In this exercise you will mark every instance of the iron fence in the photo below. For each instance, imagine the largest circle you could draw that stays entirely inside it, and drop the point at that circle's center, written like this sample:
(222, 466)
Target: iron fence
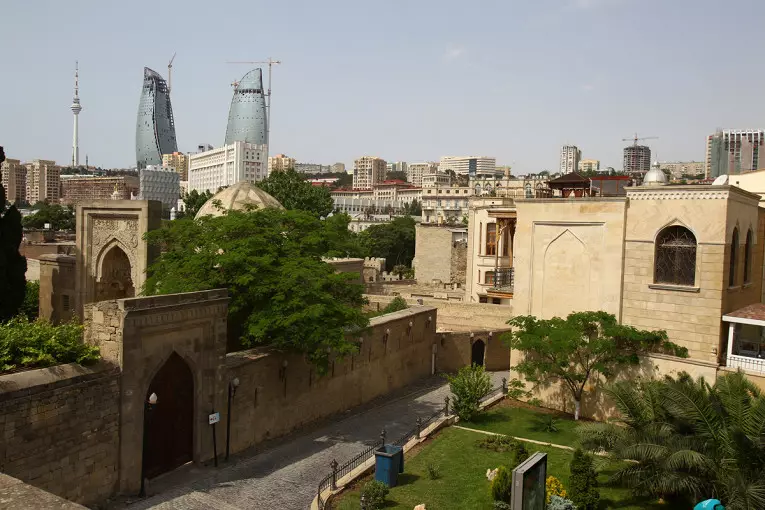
(339, 471)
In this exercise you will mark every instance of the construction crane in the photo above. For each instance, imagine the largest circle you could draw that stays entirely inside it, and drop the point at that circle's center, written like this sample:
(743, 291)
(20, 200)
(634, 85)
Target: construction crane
(170, 74)
(635, 139)
(235, 84)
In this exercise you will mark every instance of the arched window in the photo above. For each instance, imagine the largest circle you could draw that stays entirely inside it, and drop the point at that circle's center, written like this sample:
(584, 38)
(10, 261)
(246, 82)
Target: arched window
(748, 257)
(675, 256)
(733, 257)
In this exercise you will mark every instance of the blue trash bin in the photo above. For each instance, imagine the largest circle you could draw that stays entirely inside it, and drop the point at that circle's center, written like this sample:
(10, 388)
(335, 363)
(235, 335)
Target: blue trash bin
(389, 462)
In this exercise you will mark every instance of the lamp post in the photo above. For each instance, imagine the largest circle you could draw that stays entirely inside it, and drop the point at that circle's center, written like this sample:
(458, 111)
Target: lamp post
(232, 386)
(148, 406)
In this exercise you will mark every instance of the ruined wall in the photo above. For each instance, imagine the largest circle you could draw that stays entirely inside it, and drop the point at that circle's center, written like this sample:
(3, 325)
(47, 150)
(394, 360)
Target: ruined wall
(61, 430)
(280, 392)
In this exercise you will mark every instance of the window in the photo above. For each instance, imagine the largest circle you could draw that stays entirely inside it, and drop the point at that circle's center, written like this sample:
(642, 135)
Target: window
(489, 278)
(491, 239)
(748, 257)
(65, 302)
(675, 256)
(732, 261)
(506, 242)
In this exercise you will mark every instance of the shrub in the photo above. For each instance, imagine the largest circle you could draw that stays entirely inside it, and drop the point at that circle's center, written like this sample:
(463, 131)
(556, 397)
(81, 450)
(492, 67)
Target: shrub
(501, 505)
(517, 390)
(468, 387)
(374, 494)
(560, 503)
(553, 487)
(433, 473)
(31, 305)
(536, 402)
(546, 423)
(502, 485)
(518, 454)
(583, 482)
(397, 304)
(498, 443)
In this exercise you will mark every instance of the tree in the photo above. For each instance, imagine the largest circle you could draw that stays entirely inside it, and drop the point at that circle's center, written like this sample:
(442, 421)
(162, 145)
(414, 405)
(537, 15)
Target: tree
(30, 308)
(281, 292)
(393, 240)
(579, 347)
(396, 174)
(583, 483)
(344, 180)
(468, 387)
(59, 217)
(13, 266)
(686, 440)
(193, 202)
(413, 208)
(293, 191)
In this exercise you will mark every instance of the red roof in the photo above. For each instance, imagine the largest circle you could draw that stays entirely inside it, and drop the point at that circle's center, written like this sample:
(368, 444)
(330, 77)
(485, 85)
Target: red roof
(611, 178)
(754, 312)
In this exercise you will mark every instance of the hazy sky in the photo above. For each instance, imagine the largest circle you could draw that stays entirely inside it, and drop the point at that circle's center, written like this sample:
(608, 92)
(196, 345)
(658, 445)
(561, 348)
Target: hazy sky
(406, 80)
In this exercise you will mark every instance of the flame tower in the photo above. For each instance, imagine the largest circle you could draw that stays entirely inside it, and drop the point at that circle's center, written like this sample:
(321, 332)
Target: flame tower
(76, 109)
(247, 116)
(155, 128)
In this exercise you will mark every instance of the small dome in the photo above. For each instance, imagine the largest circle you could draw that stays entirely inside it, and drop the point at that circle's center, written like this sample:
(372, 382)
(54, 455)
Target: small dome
(237, 198)
(655, 176)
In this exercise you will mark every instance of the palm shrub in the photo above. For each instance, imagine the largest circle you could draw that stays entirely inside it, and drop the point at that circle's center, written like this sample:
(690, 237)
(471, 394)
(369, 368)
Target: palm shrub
(687, 439)
(583, 482)
(468, 387)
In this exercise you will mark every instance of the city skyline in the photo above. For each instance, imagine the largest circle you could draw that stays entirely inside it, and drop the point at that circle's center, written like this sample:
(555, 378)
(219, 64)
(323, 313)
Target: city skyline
(515, 111)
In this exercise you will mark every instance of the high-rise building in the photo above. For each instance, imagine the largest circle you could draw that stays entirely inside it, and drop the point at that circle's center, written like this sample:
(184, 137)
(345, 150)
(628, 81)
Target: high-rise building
(396, 166)
(732, 152)
(43, 181)
(416, 171)
(589, 165)
(637, 160)
(85, 188)
(155, 129)
(159, 183)
(179, 162)
(14, 180)
(227, 165)
(473, 166)
(76, 109)
(280, 163)
(680, 169)
(569, 159)
(247, 116)
(368, 171)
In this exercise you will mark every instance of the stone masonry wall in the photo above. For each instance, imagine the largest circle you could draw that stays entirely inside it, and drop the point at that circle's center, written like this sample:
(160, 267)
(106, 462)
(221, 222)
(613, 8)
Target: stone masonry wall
(61, 430)
(21, 496)
(455, 350)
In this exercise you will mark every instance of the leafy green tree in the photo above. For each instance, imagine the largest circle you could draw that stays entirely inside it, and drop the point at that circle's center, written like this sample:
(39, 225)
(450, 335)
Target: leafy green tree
(60, 217)
(344, 180)
(193, 202)
(583, 345)
(281, 292)
(502, 485)
(413, 208)
(25, 344)
(13, 266)
(293, 191)
(341, 242)
(583, 482)
(31, 306)
(393, 240)
(468, 387)
(687, 440)
(398, 303)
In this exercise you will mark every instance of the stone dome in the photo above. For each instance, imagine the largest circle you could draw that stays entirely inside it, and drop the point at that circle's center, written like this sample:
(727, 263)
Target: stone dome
(237, 198)
(655, 176)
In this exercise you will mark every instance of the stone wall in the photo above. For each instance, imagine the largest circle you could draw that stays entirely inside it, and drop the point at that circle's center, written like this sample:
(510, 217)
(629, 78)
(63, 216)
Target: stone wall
(348, 265)
(455, 350)
(440, 254)
(58, 290)
(280, 392)
(61, 430)
(21, 496)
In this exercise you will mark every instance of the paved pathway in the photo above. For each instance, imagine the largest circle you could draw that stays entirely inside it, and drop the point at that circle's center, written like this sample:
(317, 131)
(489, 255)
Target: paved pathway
(286, 476)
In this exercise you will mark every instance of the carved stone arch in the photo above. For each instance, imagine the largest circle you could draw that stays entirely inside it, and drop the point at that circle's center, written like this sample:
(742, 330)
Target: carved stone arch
(566, 273)
(159, 361)
(115, 272)
(675, 222)
(566, 231)
(109, 245)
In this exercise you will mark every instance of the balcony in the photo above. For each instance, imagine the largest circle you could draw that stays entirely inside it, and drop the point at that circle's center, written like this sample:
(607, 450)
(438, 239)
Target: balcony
(503, 283)
(746, 339)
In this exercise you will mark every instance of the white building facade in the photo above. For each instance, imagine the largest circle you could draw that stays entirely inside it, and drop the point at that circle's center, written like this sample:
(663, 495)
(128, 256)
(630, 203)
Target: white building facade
(368, 171)
(569, 159)
(159, 183)
(416, 171)
(469, 165)
(227, 165)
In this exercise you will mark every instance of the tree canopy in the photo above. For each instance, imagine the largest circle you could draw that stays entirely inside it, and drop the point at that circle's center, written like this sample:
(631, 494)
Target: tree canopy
(293, 191)
(60, 217)
(13, 266)
(193, 202)
(393, 240)
(583, 344)
(282, 293)
(396, 174)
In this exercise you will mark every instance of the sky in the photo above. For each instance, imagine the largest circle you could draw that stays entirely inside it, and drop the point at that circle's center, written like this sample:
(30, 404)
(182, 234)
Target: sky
(405, 80)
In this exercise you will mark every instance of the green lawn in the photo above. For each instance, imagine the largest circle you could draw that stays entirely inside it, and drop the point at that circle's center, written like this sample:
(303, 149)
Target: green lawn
(462, 483)
(523, 422)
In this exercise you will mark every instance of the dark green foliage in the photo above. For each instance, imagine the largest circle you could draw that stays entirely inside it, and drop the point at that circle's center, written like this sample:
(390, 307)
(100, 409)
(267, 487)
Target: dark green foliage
(433, 472)
(398, 303)
(517, 390)
(293, 191)
(344, 180)
(394, 241)
(341, 242)
(270, 260)
(468, 387)
(193, 202)
(583, 482)
(498, 443)
(518, 454)
(502, 485)
(60, 217)
(13, 266)
(396, 175)
(25, 344)
(559, 503)
(413, 208)
(374, 494)
(546, 423)
(31, 306)
(501, 505)
(581, 346)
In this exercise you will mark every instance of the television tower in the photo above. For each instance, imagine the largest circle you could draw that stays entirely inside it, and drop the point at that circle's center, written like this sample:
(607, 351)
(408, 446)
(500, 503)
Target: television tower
(76, 109)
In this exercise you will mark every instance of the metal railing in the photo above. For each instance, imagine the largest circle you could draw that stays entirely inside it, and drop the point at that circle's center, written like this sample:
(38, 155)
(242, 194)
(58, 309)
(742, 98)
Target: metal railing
(504, 279)
(339, 471)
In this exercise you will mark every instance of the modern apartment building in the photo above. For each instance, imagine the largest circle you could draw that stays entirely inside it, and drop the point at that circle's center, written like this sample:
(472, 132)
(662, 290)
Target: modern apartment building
(470, 165)
(43, 181)
(589, 165)
(280, 163)
(159, 183)
(679, 169)
(179, 162)
(84, 188)
(14, 180)
(368, 171)
(396, 166)
(312, 168)
(416, 171)
(732, 152)
(227, 165)
(637, 160)
(569, 159)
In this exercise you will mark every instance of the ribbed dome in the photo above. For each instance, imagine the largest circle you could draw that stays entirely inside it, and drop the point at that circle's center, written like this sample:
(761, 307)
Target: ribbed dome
(237, 198)
(655, 176)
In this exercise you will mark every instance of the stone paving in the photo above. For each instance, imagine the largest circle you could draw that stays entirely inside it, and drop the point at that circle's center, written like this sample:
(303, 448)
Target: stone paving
(286, 476)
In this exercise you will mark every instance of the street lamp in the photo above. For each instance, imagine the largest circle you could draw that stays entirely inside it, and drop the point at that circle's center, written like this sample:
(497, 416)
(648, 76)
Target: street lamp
(232, 386)
(148, 407)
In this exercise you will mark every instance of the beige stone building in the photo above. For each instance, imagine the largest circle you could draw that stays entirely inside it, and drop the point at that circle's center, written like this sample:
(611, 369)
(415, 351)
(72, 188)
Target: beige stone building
(43, 181)
(179, 162)
(14, 180)
(79, 188)
(588, 165)
(279, 163)
(368, 171)
(440, 255)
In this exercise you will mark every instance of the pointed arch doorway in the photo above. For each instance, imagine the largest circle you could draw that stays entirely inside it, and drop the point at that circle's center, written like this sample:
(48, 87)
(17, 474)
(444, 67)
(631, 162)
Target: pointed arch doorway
(170, 424)
(477, 353)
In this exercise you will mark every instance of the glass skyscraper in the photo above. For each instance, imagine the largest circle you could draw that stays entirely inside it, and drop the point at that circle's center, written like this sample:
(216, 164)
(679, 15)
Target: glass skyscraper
(247, 116)
(155, 129)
